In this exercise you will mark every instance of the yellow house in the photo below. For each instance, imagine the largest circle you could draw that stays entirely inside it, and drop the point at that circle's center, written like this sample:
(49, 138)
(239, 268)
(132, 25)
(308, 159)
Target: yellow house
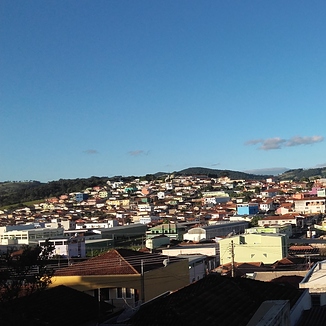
(245, 248)
(123, 276)
(125, 202)
(321, 227)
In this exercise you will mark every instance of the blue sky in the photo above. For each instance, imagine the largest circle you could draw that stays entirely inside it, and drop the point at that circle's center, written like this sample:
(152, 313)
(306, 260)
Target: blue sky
(115, 87)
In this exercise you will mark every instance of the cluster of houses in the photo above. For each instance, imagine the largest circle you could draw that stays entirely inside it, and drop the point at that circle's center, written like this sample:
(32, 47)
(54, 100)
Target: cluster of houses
(189, 228)
(176, 199)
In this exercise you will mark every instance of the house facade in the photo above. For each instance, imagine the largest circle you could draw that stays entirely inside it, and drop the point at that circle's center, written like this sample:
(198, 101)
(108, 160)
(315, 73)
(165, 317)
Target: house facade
(219, 229)
(265, 248)
(247, 208)
(315, 281)
(173, 231)
(283, 229)
(295, 220)
(125, 276)
(29, 236)
(67, 248)
(312, 205)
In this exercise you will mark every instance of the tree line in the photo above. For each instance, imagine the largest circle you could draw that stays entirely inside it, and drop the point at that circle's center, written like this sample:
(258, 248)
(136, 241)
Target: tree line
(35, 190)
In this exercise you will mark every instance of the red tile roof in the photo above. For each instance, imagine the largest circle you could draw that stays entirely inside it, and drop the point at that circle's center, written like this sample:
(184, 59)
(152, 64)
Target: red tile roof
(116, 262)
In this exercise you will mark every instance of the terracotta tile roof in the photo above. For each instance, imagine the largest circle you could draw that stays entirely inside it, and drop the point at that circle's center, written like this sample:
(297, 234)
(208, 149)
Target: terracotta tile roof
(279, 217)
(286, 204)
(284, 261)
(214, 299)
(240, 268)
(116, 262)
(301, 248)
(290, 263)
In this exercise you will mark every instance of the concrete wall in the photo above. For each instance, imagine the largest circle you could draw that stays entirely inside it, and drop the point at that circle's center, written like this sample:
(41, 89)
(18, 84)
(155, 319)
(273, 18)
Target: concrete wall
(156, 282)
(254, 248)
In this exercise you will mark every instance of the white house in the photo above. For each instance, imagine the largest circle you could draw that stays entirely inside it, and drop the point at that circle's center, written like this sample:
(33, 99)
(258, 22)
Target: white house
(149, 219)
(68, 248)
(267, 205)
(104, 225)
(312, 205)
(220, 229)
(161, 195)
(145, 207)
(295, 220)
(29, 236)
(315, 281)
(58, 222)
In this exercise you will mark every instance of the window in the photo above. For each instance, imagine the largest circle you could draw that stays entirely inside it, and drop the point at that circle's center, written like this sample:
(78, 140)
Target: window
(105, 294)
(119, 293)
(128, 293)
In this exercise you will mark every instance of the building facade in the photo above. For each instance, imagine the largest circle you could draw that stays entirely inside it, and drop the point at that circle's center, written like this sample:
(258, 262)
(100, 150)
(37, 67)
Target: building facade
(265, 248)
(247, 208)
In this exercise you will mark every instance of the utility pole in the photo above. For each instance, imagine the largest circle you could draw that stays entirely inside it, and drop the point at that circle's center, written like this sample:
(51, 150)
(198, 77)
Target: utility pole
(142, 280)
(99, 302)
(232, 259)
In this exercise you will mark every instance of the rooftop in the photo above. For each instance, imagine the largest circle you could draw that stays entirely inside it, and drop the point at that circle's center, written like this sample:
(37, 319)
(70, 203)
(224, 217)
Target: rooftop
(116, 262)
(316, 278)
(60, 305)
(212, 299)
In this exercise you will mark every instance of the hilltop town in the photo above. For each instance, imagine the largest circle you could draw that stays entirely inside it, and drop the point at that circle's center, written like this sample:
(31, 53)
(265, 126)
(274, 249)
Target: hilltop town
(122, 238)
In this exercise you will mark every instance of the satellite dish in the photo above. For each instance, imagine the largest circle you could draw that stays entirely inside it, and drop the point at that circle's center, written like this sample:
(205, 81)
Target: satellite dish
(128, 312)
(165, 262)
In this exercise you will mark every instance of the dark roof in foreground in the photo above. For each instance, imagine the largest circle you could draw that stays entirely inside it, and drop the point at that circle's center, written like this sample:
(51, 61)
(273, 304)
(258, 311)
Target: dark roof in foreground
(60, 305)
(316, 316)
(213, 300)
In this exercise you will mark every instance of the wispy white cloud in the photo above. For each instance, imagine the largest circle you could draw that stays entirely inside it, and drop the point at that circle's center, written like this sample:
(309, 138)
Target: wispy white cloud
(254, 141)
(278, 143)
(297, 140)
(138, 152)
(91, 151)
(272, 143)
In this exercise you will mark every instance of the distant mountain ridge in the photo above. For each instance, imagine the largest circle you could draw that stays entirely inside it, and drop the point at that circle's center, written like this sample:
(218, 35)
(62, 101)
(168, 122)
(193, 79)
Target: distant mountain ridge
(299, 174)
(215, 173)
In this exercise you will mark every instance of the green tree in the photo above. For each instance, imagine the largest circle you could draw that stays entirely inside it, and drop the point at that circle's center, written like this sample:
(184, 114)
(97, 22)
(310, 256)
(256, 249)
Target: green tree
(254, 220)
(25, 271)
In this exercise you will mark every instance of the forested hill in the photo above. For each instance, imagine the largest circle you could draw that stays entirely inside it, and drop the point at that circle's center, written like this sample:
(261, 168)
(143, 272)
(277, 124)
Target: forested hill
(214, 173)
(19, 192)
(300, 174)
(295, 174)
